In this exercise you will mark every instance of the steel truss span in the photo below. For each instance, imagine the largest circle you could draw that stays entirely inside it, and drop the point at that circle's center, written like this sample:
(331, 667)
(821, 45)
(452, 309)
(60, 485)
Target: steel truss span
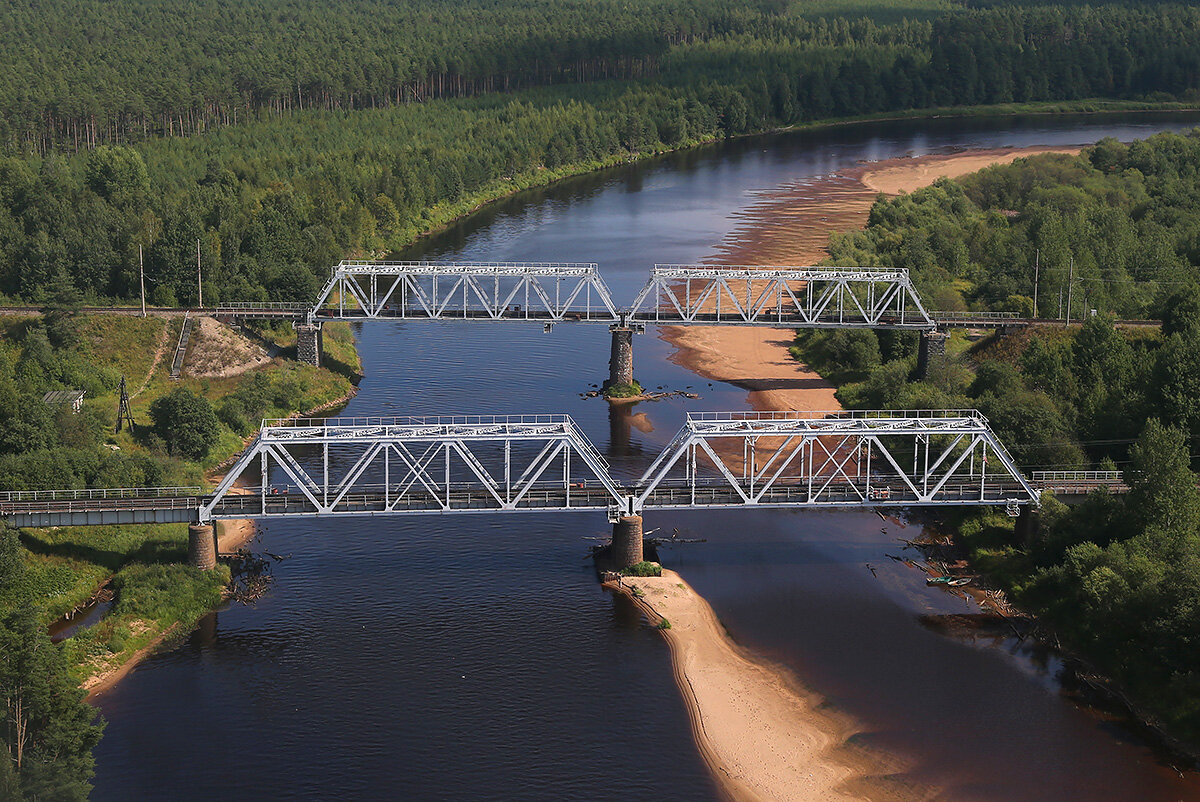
(545, 293)
(490, 464)
(805, 297)
(834, 459)
(360, 466)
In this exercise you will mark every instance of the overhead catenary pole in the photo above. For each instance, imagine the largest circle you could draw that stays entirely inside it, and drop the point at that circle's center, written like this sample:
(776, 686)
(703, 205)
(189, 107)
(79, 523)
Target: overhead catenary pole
(142, 279)
(1037, 263)
(199, 277)
(1070, 288)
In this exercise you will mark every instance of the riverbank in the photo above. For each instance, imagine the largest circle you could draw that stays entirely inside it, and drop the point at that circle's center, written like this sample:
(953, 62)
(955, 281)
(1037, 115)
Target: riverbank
(763, 735)
(441, 218)
(791, 225)
(117, 591)
(788, 225)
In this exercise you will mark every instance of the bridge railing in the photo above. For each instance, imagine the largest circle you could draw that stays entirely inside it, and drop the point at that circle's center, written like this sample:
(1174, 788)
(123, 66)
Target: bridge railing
(413, 420)
(99, 493)
(1077, 476)
(888, 414)
(953, 316)
(264, 306)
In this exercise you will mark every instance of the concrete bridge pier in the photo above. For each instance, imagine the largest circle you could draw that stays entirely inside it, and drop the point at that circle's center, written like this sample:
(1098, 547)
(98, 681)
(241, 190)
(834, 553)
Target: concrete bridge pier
(931, 348)
(626, 548)
(202, 546)
(620, 360)
(308, 343)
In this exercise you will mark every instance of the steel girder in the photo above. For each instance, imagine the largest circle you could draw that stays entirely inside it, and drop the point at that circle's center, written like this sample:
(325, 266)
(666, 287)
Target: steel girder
(834, 459)
(546, 293)
(436, 464)
(801, 297)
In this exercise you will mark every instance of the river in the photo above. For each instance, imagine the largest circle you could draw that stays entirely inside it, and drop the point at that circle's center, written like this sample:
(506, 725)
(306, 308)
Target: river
(476, 657)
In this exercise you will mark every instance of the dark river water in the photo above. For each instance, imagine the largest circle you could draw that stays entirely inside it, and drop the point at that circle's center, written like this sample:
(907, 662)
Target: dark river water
(476, 657)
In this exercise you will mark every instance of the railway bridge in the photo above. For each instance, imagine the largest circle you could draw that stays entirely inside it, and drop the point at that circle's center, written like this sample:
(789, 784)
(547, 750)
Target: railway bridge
(676, 295)
(544, 463)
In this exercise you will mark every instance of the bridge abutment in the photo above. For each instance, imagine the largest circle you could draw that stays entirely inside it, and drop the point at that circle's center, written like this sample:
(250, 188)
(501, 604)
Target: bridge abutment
(202, 546)
(626, 548)
(308, 343)
(620, 360)
(1027, 526)
(932, 347)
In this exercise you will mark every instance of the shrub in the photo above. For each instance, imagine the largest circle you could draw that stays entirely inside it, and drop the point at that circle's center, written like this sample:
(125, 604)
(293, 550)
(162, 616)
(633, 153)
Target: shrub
(644, 568)
(186, 423)
(623, 390)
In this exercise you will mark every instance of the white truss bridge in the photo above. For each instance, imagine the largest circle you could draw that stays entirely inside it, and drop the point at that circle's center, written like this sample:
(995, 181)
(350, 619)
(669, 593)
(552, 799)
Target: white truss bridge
(550, 293)
(392, 466)
(542, 292)
(802, 297)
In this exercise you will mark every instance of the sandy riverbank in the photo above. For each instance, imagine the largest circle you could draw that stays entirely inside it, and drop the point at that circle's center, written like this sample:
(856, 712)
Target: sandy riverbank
(762, 734)
(791, 225)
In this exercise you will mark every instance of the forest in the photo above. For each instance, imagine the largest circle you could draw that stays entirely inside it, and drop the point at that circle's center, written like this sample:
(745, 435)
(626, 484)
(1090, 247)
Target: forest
(1118, 576)
(352, 164)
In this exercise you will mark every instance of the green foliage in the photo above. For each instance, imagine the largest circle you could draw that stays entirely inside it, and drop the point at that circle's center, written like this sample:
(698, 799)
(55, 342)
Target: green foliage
(663, 623)
(644, 568)
(116, 173)
(306, 149)
(46, 728)
(166, 593)
(1162, 487)
(840, 355)
(12, 567)
(186, 422)
(624, 390)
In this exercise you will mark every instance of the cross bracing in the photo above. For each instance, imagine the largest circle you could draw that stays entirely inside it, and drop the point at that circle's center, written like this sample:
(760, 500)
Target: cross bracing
(431, 464)
(808, 297)
(482, 464)
(834, 459)
(541, 292)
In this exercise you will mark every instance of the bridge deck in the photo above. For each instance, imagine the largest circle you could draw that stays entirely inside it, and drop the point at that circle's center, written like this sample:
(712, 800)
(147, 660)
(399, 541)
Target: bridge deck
(580, 497)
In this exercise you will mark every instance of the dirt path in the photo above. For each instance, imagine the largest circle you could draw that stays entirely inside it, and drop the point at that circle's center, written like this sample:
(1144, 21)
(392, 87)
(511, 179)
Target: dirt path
(164, 342)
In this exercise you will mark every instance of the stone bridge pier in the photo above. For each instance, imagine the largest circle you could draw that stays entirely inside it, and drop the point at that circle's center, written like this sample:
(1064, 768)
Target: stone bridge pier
(626, 548)
(202, 546)
(620, 360)
(931, 348)
(308, 343)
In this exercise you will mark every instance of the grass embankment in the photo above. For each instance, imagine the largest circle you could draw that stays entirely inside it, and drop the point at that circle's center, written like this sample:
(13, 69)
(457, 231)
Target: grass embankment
(145, 564)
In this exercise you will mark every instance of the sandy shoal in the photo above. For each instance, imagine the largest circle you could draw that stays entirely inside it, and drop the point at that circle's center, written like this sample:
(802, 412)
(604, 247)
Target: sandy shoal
(761, 734)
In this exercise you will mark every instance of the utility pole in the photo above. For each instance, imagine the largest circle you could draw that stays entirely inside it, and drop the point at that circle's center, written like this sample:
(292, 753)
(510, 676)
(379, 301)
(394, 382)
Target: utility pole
(1070, 289)
(199, 277)
(1037, 263)
(142, 279)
